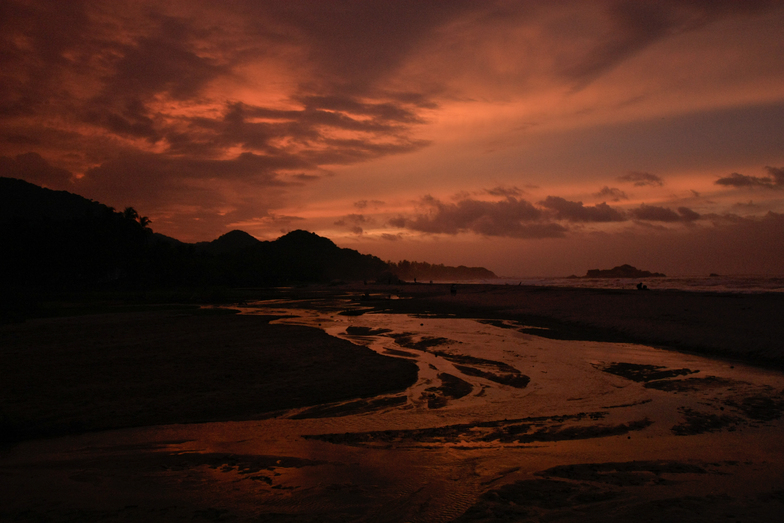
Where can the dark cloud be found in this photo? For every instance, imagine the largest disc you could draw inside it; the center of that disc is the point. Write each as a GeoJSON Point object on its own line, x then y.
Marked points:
{"type": "Point", "coordinates": [283, 218]}
{"type": "Point", "coordinates": [577, 212]}
{"type": "Point", "coordinates": [302, 177]}
{"type": "Point", "coordinates": [611, 193]}
{"type": "Point", "coordinates": [19, 139]}
{"type": "Point", "coordinates": [688, 215]}
{"type": "Point", "coordinates": [352, 218]}
{"type": "Point", "coordinates": [633, 26]}
{"type": "Point", "coordinates": [38, 43]}
{"type": "Point", "coordinates": [504, 191]}
{"type": "Point", "coordinates": [653, 213]}
{"type": "Point", "coordinates": [33, 168]}
{"type": "Point", "coordinates": [355, 222]}
{"type": "Point", "coordinates": [155, 182]}
{"type": "Point", "coordinates": [363, 204]}
{"type": "Point", "coordinates": [130, 82]}
{"type": "Point", "coordinates": [307, 134]}
{"type": "Point", "coordinates": [357, 44]}
{"type": "Point", "coordinates": [259, 169]}
{"type": "Point", "coordinates": [750, 205]}
{"type": "Point", "coordinates": [398, 221]}
{"type": "Point", "coordinates": [509, 217]}
{"type": "Point", "coordinates": [166, 61]}
{"type": "Point", "coordinates": [641, 179]}
{"type": "Point", "coordinates": [777, 173]}
{"type": "Point", "coordinates": [741, 180]}
{"type": "Point", "coordinates": [775, 180]}
{"type": "Point", "coordinates": [132, 121]}
{"type": "Point", "coordinates": [516, 218]}
{"type": "Point", "coordinates": [350, 151]}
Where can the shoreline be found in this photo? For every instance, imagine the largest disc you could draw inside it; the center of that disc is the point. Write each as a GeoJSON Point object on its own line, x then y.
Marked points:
{"type": "Point", "coordinates": [208, 362]}
{"type": "Point", "coordinates": [743, 327]}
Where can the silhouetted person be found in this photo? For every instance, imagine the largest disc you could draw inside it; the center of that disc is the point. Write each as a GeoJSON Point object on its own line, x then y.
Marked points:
{"type": "Point", "coordinates": [453, 289]}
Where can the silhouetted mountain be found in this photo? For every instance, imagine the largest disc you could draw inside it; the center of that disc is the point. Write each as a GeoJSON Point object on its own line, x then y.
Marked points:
{"type": "Point", "coordinates": [233, 241]}
{"type": "Point", "coordinates": [162, 238]}
{"type": "Point", "coordinates": [301, 256]}
{"type": "Point", "coordinates": [20, 200]}
{"type": "Point", "coordinates": [58, 240]}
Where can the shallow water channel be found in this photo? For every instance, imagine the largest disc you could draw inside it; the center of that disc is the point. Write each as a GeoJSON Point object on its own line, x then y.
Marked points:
{"type": "Point", "coordinates": [500, 424]}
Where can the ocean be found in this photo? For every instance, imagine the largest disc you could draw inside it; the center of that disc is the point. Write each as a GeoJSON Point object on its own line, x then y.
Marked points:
{"type": "Point", "coordinates": [729, 284]}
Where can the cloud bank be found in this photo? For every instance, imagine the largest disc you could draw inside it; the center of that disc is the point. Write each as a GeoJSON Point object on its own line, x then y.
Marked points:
{"type": "Point", "coordinates": [518, 218]}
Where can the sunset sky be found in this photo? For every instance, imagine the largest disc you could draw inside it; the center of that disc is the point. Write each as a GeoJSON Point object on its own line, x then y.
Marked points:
{"type": "Point", "coordinates": [529, 137]}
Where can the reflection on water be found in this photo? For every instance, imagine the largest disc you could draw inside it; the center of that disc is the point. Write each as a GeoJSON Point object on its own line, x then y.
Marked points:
{"type": "Point", "coordinates": [500, 424]}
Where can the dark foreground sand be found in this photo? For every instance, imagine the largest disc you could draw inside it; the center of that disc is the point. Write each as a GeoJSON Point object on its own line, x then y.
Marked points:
{"type": "Point", "coordinates": [85, 373]}
{"type": "Point", "coordinates": [448, 429]}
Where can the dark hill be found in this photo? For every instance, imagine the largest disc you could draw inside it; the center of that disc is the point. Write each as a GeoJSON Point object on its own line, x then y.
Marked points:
{"type": "Point", "coordinates": [230, 242]}
{"type": "Point", "coordinates": [55, 240]}
{"type": "Point", "coordinates": [59, 240]}
{"type": "Point", "coordinates": [20, 200]}
{"type": "Point", "coordinates": [299, 256]}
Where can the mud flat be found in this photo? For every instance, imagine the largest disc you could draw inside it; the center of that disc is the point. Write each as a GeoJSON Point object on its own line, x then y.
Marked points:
{"type": "Point", "coordinates": [96, 372]}
{"type": "Point", "coordinates": [741, 326]}
{"type": "Point", "coordinates": [391, 405]}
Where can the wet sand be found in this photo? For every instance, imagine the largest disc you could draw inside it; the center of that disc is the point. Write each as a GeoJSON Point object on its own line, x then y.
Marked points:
{"type": "Point", "coordinates": [743, 326]}
{"type": "Point", "coordinates": [498, 423]}
{"type": "Point", "coordinates": [95, 372]}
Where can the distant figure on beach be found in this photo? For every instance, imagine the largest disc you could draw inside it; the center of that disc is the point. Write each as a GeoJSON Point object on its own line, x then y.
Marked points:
{"type": "Point", "coordinates": [453, 289]}
{"type": "Point", "coordinates": [641, 287]}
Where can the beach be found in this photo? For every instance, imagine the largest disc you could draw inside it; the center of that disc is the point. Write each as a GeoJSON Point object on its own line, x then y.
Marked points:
{"type": "Point", "coordinates": [400, 403]}
{"type": "Point", "coordinates": [743, 326]}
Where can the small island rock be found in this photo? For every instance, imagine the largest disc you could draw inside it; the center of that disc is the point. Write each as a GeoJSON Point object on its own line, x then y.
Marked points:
{"type": "Point", "coordinates": [622, 271]}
